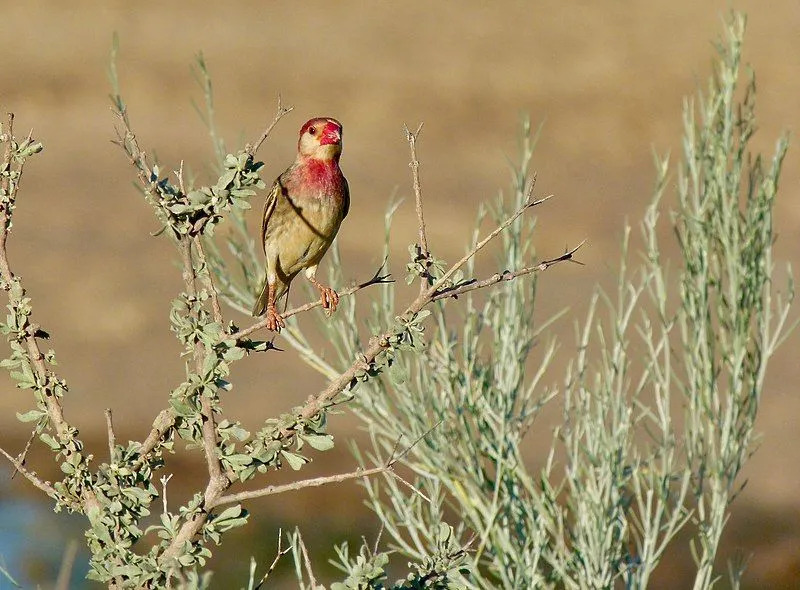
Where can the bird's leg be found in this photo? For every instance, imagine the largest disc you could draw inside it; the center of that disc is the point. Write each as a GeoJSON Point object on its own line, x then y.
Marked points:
{"type": "Point", "coordinates": [328, 297]}
{"type": "Point", "coordinates": [274, 320]}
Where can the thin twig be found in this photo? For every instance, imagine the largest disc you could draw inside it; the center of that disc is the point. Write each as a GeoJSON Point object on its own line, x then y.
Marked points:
{"type": "Point", "coordinates": [30, 475]}
{"type": "Point", "coordinates": [162, 425]}
{"type": "Point", "coordinates": [380, 342]}
{"type": "Point", "coordinates": [280, 553]}
{"type": "Point", "coordinates": [21, 457]}
{"type": "Point", "coordinates": [506, 275]}
{"type": "Point", "coordinates": [282, 111]}
{"type": "Point", "coordinates": [112, 438]}
{"type": "Point", "coordinates": [311, 579]}
{"type": "Point", "coordinates": [299, 485]}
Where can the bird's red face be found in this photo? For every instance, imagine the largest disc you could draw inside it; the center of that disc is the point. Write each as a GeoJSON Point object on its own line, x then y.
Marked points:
{"type": "Point", "coordinates": [321, 138]}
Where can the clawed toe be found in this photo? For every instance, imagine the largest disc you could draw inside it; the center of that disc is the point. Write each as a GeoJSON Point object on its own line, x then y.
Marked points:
{"type": "Point", "coordinates": [329, 298]}
{"type": "Point", "coordinates": [274, 320]}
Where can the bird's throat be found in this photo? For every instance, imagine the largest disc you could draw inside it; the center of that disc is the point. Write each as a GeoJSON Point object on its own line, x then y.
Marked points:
{"type": "Point", "coordinates": [323, 174]}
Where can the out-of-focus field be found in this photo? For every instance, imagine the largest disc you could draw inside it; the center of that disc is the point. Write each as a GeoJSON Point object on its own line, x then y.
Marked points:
{"type": "Point", "coordinates": [606, 77]}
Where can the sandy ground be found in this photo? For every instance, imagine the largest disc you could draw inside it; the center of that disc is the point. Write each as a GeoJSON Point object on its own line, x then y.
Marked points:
{"type": "Point", "coordinates": [606, 77]}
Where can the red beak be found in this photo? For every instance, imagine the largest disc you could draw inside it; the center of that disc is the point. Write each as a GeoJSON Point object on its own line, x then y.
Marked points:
{"type": "Point", "coordinates": [331, 135]}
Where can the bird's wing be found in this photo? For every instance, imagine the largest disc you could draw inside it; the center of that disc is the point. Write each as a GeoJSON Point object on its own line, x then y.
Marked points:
{"type": "Point", "coordinates": [346, 198]}
{"type": "Point", "coordinates": [269, 207]}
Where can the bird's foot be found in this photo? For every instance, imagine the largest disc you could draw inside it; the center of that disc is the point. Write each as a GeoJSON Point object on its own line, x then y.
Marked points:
{"type": "Point", "coordinates": [274, 320]}
{"type": "Point", "coordinates": [328, 297]}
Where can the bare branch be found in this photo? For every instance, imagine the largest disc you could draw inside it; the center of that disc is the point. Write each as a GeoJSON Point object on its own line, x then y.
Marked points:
{"type": "Point", "coordinates": [506, 275]}
{"type": "Point", "coordinates": [164, 481]}
{"type": "Point", "coordinates": [126, 139]}
{"type": "Point", "coordinates": [162, 425]}
{"type": "Point", "coordinates": [31, 476]}
{"type": "Point", "coordinates": [300, 485]}
{"type": "Point", "coordinates": [380, 342]}
{"type": "Point", "coordinates": [280, 553]}
{"type": "Point", "coordinates": [282, 111]}
{"type": "Point", "coordinates": [21, 457]}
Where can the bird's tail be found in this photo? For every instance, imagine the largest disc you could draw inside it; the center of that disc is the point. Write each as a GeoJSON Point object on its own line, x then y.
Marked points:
{"type": "Point", "coordinates": [261, 302]}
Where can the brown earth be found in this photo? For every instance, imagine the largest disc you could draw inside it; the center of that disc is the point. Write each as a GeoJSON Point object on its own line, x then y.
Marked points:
{"type": "Point", "coordinates": [607, 77]}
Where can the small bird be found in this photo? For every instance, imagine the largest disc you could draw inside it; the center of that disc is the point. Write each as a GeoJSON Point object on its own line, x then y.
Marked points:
{"type": "Point", "coordinates": [302, 214]}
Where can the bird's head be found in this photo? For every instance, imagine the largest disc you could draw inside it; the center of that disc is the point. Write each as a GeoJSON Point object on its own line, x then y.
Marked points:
{"type": "Point", "coordinates": [321, 139]}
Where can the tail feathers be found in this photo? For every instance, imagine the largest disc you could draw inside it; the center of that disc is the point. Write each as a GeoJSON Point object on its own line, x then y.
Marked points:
{"type": "Point", "coordinates": [261, 302]}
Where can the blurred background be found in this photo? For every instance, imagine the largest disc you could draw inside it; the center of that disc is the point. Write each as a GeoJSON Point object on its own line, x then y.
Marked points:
{"type": "Point", "coordinates": [607, 79]}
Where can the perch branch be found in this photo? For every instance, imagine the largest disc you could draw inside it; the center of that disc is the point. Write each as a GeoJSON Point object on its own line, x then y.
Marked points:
{"type": "Point", "coordinates": [377, 279]}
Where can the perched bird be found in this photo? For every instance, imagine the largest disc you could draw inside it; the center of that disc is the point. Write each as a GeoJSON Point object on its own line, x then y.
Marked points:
{"type": "Point", "coordinates": [302, 214]}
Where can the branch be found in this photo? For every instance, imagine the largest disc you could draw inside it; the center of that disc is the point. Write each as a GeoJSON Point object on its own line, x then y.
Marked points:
{"type": "Point", "coordinates": [506, 275]}
{"type": "Point", "coordinates": [21, 457]}
{"type": "Point", "coordinates": [377, 279]}
{"type": "Point", "coordinates": [31, 331]}
{"type": "Point", "coordinates": [163, 423]}
{"type": "Point", "coordinates": [209, 426]}
{"type": "Point", "coordinates": [300, 485]}
{"type": "Point", "coordinates": [282, 111]}
{"type": "Point", "coordinates": [31, 476]}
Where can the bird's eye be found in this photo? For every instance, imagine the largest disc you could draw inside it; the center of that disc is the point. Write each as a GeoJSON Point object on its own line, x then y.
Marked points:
{"type": "Point", "coordinates": [312, 130]}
